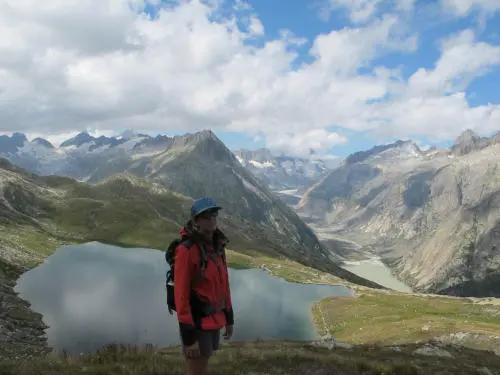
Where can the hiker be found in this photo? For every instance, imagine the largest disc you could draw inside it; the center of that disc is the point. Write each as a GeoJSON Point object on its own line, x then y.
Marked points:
{"type": "Point", "coordinates": [202, 295]}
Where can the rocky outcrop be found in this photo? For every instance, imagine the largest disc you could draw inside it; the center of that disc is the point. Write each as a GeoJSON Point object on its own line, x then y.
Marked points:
{"type": "Point", "coordinates": [22, 334]}
{"type": "Point", "coordinates": [469, 142]}
{"type": "Point", "coordinates": [433, 215]}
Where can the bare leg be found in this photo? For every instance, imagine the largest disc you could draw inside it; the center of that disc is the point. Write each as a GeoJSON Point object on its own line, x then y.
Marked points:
{"type": "Point", "coordinates": [205, 365]}
{"type": "Point", "coordinates": [196, 366]}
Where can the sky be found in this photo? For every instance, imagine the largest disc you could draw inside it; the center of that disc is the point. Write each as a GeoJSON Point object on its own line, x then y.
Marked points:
{"type": "Point", "coordinates": [332, 76]}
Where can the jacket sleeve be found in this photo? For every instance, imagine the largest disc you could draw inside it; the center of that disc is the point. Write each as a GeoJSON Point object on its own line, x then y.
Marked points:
{"type": "Point", "coordinates": [228, 311]}
{"type": "Point", "coordinates": [182, 281]}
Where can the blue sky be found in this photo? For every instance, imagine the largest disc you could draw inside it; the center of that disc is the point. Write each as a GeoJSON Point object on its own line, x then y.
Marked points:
{"type": "Point", "coordinates": [301, 18]}
{"type": "Point", "coordinates": [363, 72]}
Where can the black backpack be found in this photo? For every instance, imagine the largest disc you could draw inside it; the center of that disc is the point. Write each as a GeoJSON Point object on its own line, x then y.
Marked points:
{"type": "Point", "coordinates": [170, 258]}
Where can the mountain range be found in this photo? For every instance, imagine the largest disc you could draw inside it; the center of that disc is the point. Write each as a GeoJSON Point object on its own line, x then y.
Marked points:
{"type": "Point", "coordinates": [433, 216]}
{"type": "Point", "coordinates": [284, 172]}
{"type": "Point", "coordinates": [77, 156]}
{"type": "Point", "coordinates": [192, 165]}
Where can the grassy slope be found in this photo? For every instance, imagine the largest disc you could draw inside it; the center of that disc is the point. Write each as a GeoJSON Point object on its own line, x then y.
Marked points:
{"type": "Point", "coordinates": [122, 210]}
{"type": "Point", "coordinates": [260, 358]}
{"type": "Point", "coordinates": [398, 318]}
{"type": "Point", "coordinates": [114, 212]}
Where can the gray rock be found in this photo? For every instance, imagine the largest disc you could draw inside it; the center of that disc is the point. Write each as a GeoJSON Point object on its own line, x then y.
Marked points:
{"type": "Point", "coordinates": [432, 351]}
{"type": "Point", "coordinates": [426, 329]}
{"type": "Point", "coordinates": [433, 216]}
{"type": "Point", "coordinates": [486, 371]}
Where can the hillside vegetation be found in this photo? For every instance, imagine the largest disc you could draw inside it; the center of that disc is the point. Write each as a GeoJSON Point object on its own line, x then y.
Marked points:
{"type": "Point", "coordinates": [38, 214]}
{"type": "Point", "coordinates": [271, 358]}
{"type": "Point", "coordinates": [396, 318]}
{"type": "Point", "coordinates": [42, 213]}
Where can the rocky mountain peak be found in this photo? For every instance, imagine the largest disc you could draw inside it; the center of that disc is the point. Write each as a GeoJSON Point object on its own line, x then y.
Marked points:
{"type": "Point", "coordinates": [468, 141]}
{"type": "Point", "coordinates": [204, 136]}
{"type": "Point", "coordinates": [208, 144]}
{"type": "Point", "coordinates": [466, 136]}
{"type": "Point", "coordinates": [19, 136]}
{"type": "Point", "coordinates": [43, 142]}
{"type": "Point", "coordinates": [9, 145]}
{"type": "Point", "coordinates": [260, 155]}
{"type": "Point", "coordinates": [78, 140]}
{"type": "Point", "coordinates": [409, 147]}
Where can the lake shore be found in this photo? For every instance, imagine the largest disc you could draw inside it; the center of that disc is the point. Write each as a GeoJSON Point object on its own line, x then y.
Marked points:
{"type": "Point", "coordinates": [26, 336]}
{"type": "Point", "coordinates": [23, 331]}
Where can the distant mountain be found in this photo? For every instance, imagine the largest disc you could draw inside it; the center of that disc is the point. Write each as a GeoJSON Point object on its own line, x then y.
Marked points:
{"type": "Point", "coordinates": [433, 215]}
{"type": "Point", "coordinates": [75, 157]}
{"type": "Point", "coordinates": [43, 142]}
{"type": "Point", "coordinates": [282, 172]}
{"type": "Point", "coordinates": [82, 157]}
{"type": "Point", "coordinates": [194, 165]}
{"type": "Point", "coordinates": [11, 145]}
{"type": "Point", "coordinates": [469, 142]}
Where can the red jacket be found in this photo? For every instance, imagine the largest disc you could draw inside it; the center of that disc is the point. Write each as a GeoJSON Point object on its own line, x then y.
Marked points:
{"type": "Point", "coordinates": [213, 288]}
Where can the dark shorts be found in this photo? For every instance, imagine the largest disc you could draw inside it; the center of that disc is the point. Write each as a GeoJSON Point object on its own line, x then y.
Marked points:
{"type": "Point", "coordinates": [209, 342]}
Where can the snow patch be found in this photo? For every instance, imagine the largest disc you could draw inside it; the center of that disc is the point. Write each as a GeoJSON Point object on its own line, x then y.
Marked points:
{"type": "Point", "coordinates": [257, 164]}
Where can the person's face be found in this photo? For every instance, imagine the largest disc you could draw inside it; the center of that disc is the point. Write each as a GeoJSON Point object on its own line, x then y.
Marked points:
{"type": "Point", "coordinates": [207, 221]}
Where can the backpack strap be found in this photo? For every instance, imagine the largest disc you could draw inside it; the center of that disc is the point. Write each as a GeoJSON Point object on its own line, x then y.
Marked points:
{"type": "Point", "coordinates": [203, 266]}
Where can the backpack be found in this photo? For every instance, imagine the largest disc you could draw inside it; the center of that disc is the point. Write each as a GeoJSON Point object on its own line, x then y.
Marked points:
{"type": "Point", "coordinates": [170, 259]}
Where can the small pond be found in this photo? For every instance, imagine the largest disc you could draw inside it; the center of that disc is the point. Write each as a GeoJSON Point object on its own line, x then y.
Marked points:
{"type": "Point", "coordinates": [94, 294]}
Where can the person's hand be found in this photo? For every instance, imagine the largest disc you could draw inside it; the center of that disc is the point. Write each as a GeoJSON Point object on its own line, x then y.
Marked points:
{"type": "Point", "coordinates": [228, 333]}
{"type": "Point", "coordinates": [192, 351]}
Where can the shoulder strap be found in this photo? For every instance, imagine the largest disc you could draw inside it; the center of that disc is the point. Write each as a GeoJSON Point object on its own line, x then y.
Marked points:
{"type": "Point", "coordinates": [223, 255]}
{"type": "Point", "coordinates": [203, 256]}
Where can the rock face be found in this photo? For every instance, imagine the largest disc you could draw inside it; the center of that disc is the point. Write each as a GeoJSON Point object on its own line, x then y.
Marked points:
{"type": "Point", "coordinates": [282, 172]}
{"type": "Point", "coordinates": [469, 142]}
{"type": "Point", "coordinates": [21, 330]}
{"type": "Point", "coordinates": [433, 215]}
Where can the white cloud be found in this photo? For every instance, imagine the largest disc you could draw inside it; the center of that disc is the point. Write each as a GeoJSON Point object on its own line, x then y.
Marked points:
{"type": "Point", "coordinates": [361, 11]}
{"type": "Point", "coordinates": [463, 7]}
{"type": "Point", "coordinates": [434, 103]}
{"type": "Point", "coordinates": [100, 64]}
{"type": "Point", "coordinates": [462, 59]}
{"type": "Point", "coordinates": [256, 26]}
{"type": "Point", "coordinates": [302, 144]}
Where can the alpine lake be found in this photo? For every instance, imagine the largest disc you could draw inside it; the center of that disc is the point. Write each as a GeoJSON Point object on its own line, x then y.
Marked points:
{"type": "Point", "coordinates": [92, 295]}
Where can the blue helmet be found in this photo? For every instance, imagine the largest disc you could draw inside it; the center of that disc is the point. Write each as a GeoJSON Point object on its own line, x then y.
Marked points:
{"type": "Point", "coordinates": [203, 204]}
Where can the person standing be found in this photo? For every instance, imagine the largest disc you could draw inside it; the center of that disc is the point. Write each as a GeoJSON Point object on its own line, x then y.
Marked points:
{"type": "Point", "coordinates": [202, 290]}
